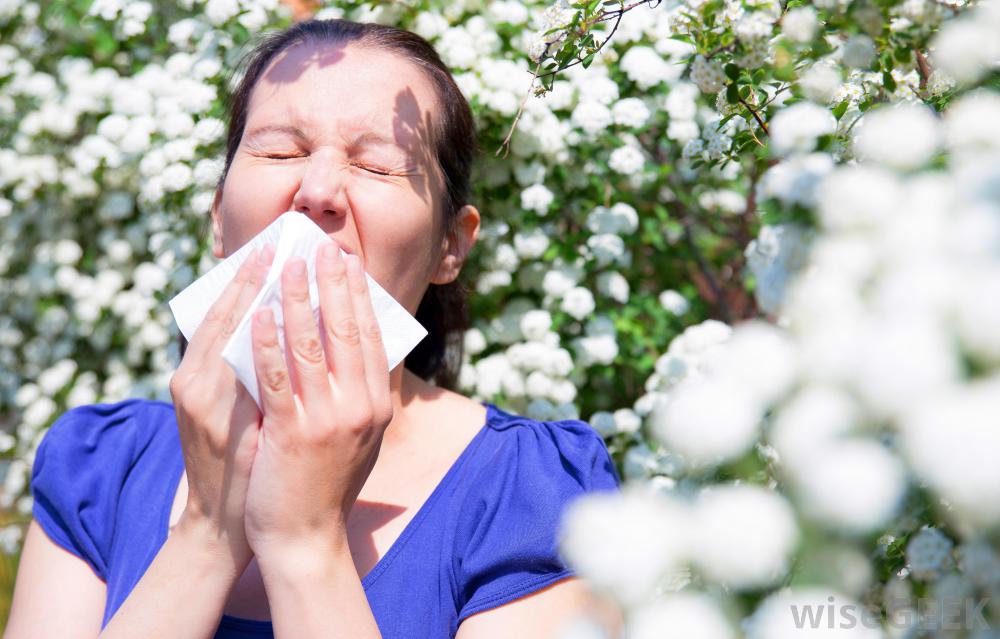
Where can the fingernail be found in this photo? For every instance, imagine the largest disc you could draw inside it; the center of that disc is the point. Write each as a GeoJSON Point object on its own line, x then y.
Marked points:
{"type": "Point", "coordinates": [297, 268]}
{"type": "Point", "coordinates": [265, 317]}
{"type": "Point", "coordinates": [265, 254]}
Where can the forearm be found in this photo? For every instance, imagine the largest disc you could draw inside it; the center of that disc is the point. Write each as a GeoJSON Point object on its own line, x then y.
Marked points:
{"type": "Point", "coordinates": [316, 592]}
{"type": "Point", "coordinates": [184, 590]}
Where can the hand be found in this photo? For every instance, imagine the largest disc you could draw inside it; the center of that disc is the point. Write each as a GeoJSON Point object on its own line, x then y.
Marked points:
{"type": "Point", "coordinates": [323, 415]}
{"type": "Point", "coordinates": [217, 419]}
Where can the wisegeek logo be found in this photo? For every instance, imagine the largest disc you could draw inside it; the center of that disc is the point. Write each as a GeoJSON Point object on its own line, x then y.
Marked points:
{"type": "Point", "coordinates": [924, 614]}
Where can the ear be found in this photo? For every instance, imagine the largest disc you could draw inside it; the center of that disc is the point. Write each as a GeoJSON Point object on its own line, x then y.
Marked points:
{"type": "Point", "coordinates": [217, 247]}
{"type": "Point", "coordinates": [457, 244]}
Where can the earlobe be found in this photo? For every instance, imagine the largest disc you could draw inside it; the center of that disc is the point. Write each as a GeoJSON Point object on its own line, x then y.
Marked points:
{"type": "Point", "coordinates": [457, 245]}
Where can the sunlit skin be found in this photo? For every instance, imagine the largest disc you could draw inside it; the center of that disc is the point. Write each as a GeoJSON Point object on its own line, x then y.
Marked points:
{"type": "Point", "coordinates": [344, 135]}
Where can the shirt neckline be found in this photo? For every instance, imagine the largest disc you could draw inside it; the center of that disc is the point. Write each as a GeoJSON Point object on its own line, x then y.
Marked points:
{"type": "Point", "coordinates": [385, 560]}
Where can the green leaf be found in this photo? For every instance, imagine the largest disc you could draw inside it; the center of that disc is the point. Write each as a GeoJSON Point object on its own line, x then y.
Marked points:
{"type": "Point", "coordinates": [840, 109]}
{"type": "Point", "coordinates": [732, 94]}
{"type": "Point", "coordinates": [732, 71]}
{"type": "Point", "coordinates": [890, 82]}
{"type": "Point", "coordinates": [586, 61]}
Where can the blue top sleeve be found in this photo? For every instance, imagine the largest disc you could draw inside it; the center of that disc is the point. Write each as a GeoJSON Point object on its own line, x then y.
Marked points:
{"type": "Point", "coordinates": [510, 524]}
{"type": "Point", "coordinates": [77, 476]}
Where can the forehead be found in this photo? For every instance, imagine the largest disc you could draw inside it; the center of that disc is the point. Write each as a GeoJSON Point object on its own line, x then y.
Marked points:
{"type": "Point", "coordinates": [337, 90]}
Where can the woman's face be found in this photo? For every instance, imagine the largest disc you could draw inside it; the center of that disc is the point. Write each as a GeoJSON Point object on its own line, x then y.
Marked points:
{"type": "Point", "coordinates": [343, 134]}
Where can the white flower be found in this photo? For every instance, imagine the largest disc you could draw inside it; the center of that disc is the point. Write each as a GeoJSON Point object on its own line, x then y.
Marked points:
{"type": "Point", "coordinates": [964, 49]}
{"type": "Point", "coordinates": [561, 279]}
{"type": "Point", "coordinates": [578, 302]}
{"type": "Point", "coordinates": [626, 160]}
{"type": "Point", "coordinates": [820, 82]}
{"type": "Point", "coordinates": [796, 128]}
{"type": "Point", "coordinates": [928, 554]}
{"type": "Point", "coordinates": [949, 440]}
{"type": "Point", "coordinates": [57, 377]}
{"type": "Point", "coordinates": [149, 277]}
{"type": "Point", "coordinates": [219, 12]}
{"type": "Point", "coordinates": [858, 52]}
{"type": "Point", "coordinates": [614, 285]}
{"type": "Point", "coordinates": [972, 122]}
{"type": "Point", "coordinates": [674, 302]}
{"type": "Point", "coordinates": [799, 24]}
{"type": "Point", "coordinates": [708, 74]}
{"type": "Point", "coordinates": [599, 349]}
{"type": "Point", "coordinates": [591, 116]}
{"type": "Point", "coordinates": [857, 197]}
{"type": "Point", "coordinates": [607, 248]}
{"type": "Point", "coordinates": [647, 68]}
{"type": "Point", "coordinates": [903, 136]}
{"type": "Point", "coordinates": [537, 198]}
{"type": "Point", "coordinates": [758, 554]}
{"type": "Point", "coordinates": [177, 177]}
{"type": "Point", "coordinates": [855, 485]}
{"type": "Point", "coordinates": [619, 219]}
{"type": "Point", "coordinates": [794, 180]}
{"type": "Point", "coordinates": [535, 324]}
{"type": "Point", "coordinates": [778, 254]}
{"type": "Point", "coordinates": [624, 542]}
{"type": "Point", "coordinates": [531, 244]}
{"type": "Point", "coordinates": [474, 342]}
{"type": "Point", "coordinates": [630, 112]}
{"type": "Point", "coordinates": [687, 614]}
{"type": "Point", "coordinates": [708, 421]}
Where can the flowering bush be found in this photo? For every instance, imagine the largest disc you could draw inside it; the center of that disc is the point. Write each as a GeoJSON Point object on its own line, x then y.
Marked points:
{"type": "Point", "coordinates": [756, 244]}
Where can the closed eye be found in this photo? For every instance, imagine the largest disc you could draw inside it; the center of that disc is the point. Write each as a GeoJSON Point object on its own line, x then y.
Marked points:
{"type": "Point", "coordinates": [372, 169]}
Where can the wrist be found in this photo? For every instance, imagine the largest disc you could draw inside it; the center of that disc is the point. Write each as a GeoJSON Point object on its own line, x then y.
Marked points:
{"type": "Point", "coordinates": [305, 559]}
{"type": "Point", "coordinates": [217, 549]}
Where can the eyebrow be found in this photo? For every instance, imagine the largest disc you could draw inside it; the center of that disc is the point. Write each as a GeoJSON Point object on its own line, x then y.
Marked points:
{"type": "Point", "coordinates": [365, 138]}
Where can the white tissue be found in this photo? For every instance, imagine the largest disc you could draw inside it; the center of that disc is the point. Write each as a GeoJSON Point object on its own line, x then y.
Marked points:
{"type": "Point", "coordinates": [292, 234]}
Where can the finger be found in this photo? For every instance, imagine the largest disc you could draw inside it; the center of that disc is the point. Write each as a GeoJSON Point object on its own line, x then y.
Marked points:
{"type": "Point", "coordinates": [340, 328]}
{"type": "Point", "coordinates": [219, 313]}
{"type": "Point", "coordinates": [376, 362]}
{"type": "Point", "coordinates": [303, 343]}
{"type": "Point", "coordinates": [273, 382]}
{"type": "Point", "coordinates": [261, 263]}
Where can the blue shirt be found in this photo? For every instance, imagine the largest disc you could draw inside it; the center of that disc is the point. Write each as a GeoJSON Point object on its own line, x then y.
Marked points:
{"type": "Point", "coordinates": [105, 476]}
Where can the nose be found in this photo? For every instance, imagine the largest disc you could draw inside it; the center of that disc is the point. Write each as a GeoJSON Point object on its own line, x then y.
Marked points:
{"type": "Point", "coordinates": [321, 189]}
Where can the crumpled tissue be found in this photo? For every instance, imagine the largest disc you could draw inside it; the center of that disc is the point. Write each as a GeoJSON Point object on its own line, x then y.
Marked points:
{"type": "Point", "coordinates": [292, 234]}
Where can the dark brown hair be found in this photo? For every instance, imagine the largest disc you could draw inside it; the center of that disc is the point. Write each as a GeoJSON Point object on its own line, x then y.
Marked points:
{"type": "Point", "coordinates": [443, 311]}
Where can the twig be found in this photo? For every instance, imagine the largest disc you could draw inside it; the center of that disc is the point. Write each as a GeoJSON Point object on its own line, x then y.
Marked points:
{"type": "Point", "coordinates": [505, 145]}
{"type": "Point", "coordinates": [923, 67]}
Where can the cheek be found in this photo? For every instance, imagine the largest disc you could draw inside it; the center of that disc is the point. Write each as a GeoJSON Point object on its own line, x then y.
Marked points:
{"type": "Point", "coordinates": [253, 196]}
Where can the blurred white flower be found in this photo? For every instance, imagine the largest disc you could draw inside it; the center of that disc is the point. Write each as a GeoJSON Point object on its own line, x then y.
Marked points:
{"type": "Point", "coordinates": [537, 198]}
{"type": "Point", "coordinates": [674, 302]}
{"type": "Point", "coordinates": [800, 24]}
{"type": "Point", "coordinates": [686, 614]}
{"type": "Point", "coordinates": [903, 136]}
{"type": "Point", "coordinates": [745, 535]}
{"type": "Point", "coordinates": [855, 486]}
{"type": "Point", "coordinates": [928, 554]}
{"type": "Point", "coordinates": [578, 302]}
{"type": "Point", "coordinates": [796, 128]}
{"type": "Point", "coordinates": [624, 542]}
{"type": "Point", "coordinates": [858, 52]}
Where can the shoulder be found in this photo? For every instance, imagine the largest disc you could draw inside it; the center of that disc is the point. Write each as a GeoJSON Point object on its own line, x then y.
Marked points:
{"type": "Point", "coordinates": [566, 449]}
{"type": "Point", "coordinates": [80, 466]}
{"type": "Point", "coordinates": [95, 430]}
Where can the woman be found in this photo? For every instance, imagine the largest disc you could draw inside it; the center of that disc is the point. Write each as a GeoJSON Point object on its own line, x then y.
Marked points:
{"type": "Point", "coordinates": [357, 501]}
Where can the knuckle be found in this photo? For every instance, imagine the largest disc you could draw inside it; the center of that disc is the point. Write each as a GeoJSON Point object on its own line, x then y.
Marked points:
{"type": "Point", "coordinates": [373, 331]}
{"type": "Point", "coordinates": [228, 326]}
{"type": "Point", "coordinates": [346, 330]}
{"type": "Point", "coordinates": [308, 350]}
{"type": "Point", "coordinates": [275, 381]}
